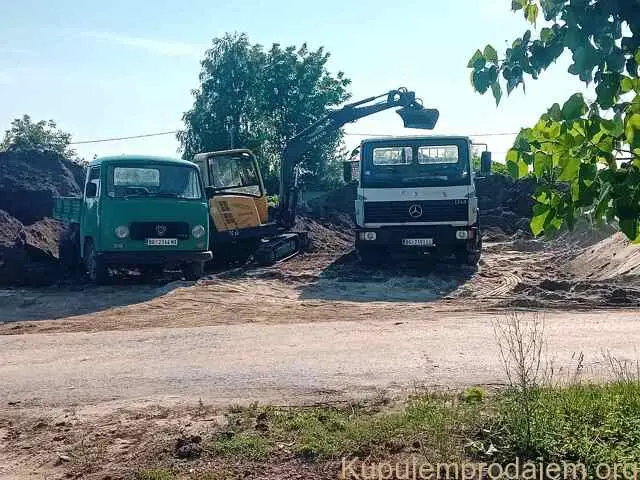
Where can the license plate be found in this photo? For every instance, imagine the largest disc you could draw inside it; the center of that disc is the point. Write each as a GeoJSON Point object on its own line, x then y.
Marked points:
{"type": "Point", "coordinates": [162, 242]}
{"type": "Point", "coordinates": [417, 242]}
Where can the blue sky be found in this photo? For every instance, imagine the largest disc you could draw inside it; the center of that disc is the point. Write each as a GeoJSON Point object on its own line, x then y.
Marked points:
{"type": "Point", "coordinates": [119, 68]}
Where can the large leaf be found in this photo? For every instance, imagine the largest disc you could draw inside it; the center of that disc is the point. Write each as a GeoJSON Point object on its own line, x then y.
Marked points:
{"type": "Point", "coordinates": [570, 169]}
{"type": "Point", "coordinates": [574, 108]}
{"type": "Point", "coordinates": [496, 89]}
{"type": "Point", "coordinates": [632, 130]}
{"type": "Point", "coordinates": [629, 227]}
{"type": "Point", "coordinates": [477, 61]}
{"type": "Point", "coordinates": [490, 54]}
{"type": "Point", "coordinates": [540, 213]}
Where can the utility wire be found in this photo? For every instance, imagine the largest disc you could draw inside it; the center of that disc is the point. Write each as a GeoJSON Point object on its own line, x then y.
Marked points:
{"type": "Point", "coordinates": [114, 139]}
{"type": "Point", "coordinates": [173, 132]}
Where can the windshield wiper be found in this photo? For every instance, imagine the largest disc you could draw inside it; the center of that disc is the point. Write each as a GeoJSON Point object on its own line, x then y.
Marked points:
{"type": "Point", "coordinates": [166, 194]}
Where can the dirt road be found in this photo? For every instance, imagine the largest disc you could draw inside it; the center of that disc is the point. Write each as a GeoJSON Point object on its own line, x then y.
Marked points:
{"type": "Point", "coordinates": [286, 363]}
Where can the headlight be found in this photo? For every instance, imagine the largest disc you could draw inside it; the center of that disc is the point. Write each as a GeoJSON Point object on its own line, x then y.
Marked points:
{"type": "Point", "coordinates": [370, 236]}
{"type": "Point", "coordinates": [462, 235]}
{"type": "Point", "coordinates": [197, 231]}
{"type": "Point", "coordinates": [122, 231]}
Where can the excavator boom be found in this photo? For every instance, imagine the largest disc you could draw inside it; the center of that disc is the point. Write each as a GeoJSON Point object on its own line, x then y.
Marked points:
{"type": "Point", "coordinates": [413, 114]}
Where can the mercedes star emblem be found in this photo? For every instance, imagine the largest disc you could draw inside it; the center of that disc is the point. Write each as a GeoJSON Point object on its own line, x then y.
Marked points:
{"type": "Point", "coordinates": [415, 211]}
{"type": "Point", "coordinates": [161, 230]}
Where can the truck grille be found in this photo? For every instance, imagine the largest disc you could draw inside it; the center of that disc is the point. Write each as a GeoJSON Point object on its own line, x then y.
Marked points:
{"type": "Point", "coordinates": [142, 230]}
{"type": "Point", "coordinates": [417, 211]}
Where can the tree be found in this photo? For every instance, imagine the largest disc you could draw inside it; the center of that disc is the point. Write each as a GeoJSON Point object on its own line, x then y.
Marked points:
{"type": "Point", "coordinates": [585, 155]}
{"type": "Point", "coordinates": [259, 99]}
{"type": "Point", "coordinates": [27, 135]}
{"type": "Point", "coordinates": [496, 167]}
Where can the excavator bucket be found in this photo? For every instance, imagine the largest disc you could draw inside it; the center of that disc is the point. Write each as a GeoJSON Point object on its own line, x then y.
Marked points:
{"type": "Point", "coordinates": [416, 116]}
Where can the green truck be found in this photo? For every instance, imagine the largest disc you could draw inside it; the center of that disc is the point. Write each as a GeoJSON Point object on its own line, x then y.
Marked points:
{"type": "Point", "coordinates": [139, 212]}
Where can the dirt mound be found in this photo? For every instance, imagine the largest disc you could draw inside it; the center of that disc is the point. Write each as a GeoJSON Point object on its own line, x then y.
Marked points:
{"type": "Point", "coordinates": [28, 255]}
{"type": "Point", "coordinates": [603, 274]}
{"type": "Point", "coordinates": [505, 204]}
{"type": "Point", "coordinates": [330, 234]}
{"type": "Point", "coordinates": [610, 259]}
{"type": "Point", "coordinates": [30, 179]}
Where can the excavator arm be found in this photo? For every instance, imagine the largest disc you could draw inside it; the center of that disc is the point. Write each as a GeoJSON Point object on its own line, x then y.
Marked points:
{"type": "Point", "coordinates": [413, 114]}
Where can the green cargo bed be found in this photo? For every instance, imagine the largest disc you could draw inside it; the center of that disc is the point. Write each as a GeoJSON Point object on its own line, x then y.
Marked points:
{"type": "Point", "coordinates": [67, 209]}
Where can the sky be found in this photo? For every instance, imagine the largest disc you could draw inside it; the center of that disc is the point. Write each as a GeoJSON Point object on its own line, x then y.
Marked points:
{"type": "Point", "coordinates": [124, 68]}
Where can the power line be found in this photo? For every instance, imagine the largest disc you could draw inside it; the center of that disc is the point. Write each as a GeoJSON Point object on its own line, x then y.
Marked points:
{"type": "Point", "coordinates": [113, 139]}
{"type": "Point", "coordinates": [173, 132]}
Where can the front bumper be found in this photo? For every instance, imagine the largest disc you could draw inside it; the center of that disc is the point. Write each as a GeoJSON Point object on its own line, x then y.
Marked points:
{"type": "Point", "coordinates": [154, 257]}
{"type": "Point", "coordinates": [443, 236]}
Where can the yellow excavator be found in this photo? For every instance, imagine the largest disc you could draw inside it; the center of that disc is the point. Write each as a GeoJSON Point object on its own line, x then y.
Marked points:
{"type": "Point", "coordinates": [239, 213]}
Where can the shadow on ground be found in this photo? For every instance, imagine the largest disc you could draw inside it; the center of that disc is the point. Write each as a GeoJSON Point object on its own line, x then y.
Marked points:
{"type": "Point", "coordinates": [80, 298]}
{"type": "Point", "coordinates": [346, 279]}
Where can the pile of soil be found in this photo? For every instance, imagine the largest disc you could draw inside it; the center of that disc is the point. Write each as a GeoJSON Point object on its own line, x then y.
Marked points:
{"type": "Point", "coordinates": [505, 205]}
{"type": "Point", "coordinates": [28, 255]}
{"type": "Point", "coordinates": [30, 179]}
{"type": "Point", "coordinates": [596, 274]}
{"type": "Point", "coordinates": [613, 258]}
{"type": "Point", "coordinates": [332, 234]}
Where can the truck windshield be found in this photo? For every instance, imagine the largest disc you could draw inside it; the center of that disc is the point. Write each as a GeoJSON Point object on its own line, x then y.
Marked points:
{"type": "Point", "coordinates": [160, 181]}
{"type": "Point", "coordinates": [415, 165]}
{"type": "Point", "coordinates": [234, 173]}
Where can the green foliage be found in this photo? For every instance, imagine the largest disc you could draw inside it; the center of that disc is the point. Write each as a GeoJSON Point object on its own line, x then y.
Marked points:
{"type": "Point", "coordinates": [586, 157]}
{"type": "Point", "coordinates": [496, 167]}
{"type": "Point", "coordinates": [249, 445]}
{"type": "Point", "coordinates": [430, 424]}
{"type": "Point", "coordinates": [24, 134]}
{"type": "Point", "coordinates": [261, 98]}
{"type": "Point", "coordinates": [591, 424]}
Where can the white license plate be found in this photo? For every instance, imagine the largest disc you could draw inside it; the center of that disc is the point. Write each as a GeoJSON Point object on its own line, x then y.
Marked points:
{"type": "Point", "coordinates": [162, 242]}
{"type": "Point", "coordinates": [417, 242]}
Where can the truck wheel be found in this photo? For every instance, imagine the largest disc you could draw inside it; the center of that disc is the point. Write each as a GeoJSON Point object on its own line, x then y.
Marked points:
{"type": "Point", "coordinates": [468, 258]}
{"type": "Point", "coordinates": [465, 257]}
{"type": "Point", "coordinates": [96, 269]}
{"type": "Point", "coordinates": [193, 271]}
{"type": "Point", "coordinates": [68, 249]}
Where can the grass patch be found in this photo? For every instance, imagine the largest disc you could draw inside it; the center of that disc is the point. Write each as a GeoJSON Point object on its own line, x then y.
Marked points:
{"type": "Point", "coordinates": [434, 425]}
{"type": "Point", "coordinates": [247, 445]}
{"type": "Point", "coordinates": [584, 422]}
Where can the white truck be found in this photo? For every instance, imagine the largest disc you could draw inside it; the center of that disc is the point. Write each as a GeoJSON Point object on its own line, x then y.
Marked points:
{"type": "Point", "coordinates": [415, 196]}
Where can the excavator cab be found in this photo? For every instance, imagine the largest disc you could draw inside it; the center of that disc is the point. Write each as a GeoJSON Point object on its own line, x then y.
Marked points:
{"type": "Point", "coordinates": [237, 197]}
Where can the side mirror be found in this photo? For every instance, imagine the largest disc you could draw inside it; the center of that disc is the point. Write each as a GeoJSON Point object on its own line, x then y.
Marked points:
{"type": "Point", "coordinates": [92, 190]}
{"type": "Point", "coordinates": [209, 191]}
{"type": "Point", "coordinates": [485, 163]}
{"type": "Point", "coordinates": [347, 171]}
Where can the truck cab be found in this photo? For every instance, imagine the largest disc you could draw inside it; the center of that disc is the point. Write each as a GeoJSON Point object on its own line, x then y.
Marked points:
{"type": "Point", "coordinates": [415, 196]}
{"type": "Point", "coordinates": [138, 211]}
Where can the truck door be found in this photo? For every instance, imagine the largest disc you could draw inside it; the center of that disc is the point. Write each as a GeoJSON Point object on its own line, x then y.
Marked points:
{"type": "Point", "coordinates": [89, 223]}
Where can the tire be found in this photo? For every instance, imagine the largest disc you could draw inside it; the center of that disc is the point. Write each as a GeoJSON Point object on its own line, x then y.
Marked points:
{"type": "Point", "coordinates": [193, 271]}
{"type": "Point", "coordinates": [69, 249]}
{"type": "Point", "coordinates": [96, 269]}
{"type": "Point", "coordinates": [465, 257]}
